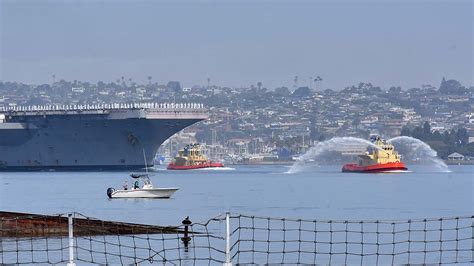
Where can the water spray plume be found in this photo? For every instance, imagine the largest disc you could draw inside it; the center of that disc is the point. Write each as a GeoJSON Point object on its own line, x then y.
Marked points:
{"type": "Point", "coordinates": [416, 151]}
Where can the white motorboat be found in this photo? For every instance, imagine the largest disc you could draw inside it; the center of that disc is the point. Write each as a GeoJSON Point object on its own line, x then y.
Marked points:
{"type": "Point", "coordinates": [146, 191]}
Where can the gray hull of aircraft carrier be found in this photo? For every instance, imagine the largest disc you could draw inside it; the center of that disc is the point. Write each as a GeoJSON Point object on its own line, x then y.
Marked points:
{"type": "Point", "coordinates": [89, 137]}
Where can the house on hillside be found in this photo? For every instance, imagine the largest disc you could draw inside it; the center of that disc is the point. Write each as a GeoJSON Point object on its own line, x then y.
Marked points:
{"type": "Point", "coordinates": [455, 157]}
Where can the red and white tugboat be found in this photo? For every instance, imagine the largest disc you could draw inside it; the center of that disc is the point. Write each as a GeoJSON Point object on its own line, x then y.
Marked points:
{"type": "Point", "coordinates": [382, 159]}
{"type": "Point", "coordinates": [191, 157]}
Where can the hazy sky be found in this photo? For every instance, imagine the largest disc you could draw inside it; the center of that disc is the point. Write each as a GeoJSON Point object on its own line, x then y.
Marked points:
{"type": "Point", "coordinates": [238, 43]}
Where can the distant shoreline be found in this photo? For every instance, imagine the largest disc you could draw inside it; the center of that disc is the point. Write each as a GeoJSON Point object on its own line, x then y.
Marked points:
{"type": "Point", "coordinates": [264, 163]}
{"type": "Point", "coordinates": [458, 162]}
{"type": "Point", "coordinates": [448, 162]}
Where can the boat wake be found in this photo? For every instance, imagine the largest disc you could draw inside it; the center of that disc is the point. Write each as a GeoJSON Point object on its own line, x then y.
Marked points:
{"type": "Point", "coordinates": [397, 171]}
{"type": "Point", "coordinates": [156, 169]}
{"type": "Point", "coordinates": [216, 169]}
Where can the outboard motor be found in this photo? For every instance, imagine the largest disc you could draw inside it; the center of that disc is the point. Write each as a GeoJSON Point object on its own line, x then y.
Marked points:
{"type": "Point", "coordinates": [110, 191]}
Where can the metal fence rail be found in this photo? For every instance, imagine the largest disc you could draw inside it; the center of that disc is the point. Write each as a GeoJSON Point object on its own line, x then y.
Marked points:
{"type": "Point", "coordinates": [235, 239]}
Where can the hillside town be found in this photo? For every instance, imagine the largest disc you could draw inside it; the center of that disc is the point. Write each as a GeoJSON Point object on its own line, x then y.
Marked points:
{"type": "Point", "coordinates": [262, 124]}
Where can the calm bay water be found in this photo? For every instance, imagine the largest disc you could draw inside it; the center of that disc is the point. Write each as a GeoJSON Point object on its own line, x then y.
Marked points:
{"type": "Point", "coordinates": [323, 193]}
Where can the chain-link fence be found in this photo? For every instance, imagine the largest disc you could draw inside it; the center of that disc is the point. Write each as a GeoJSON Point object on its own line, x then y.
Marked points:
{"type": "Point", "coordinates": [236, 239]}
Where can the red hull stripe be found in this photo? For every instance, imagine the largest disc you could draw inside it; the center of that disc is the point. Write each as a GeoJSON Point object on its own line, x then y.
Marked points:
{"type": "Point", "coordinates": [374, 168]}
{"type": "Point", "coordinates": [172, 166]}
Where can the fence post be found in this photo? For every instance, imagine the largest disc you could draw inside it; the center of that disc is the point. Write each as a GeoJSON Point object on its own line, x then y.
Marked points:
{"type": "Point", "coordinates": [227, 240]}
{"type": "Point", "coordinates": [71, 240]}
{"type": "Point", "coordinates": [186, 238]}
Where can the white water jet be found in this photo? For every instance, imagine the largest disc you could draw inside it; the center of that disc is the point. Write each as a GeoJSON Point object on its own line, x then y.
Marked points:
{"type": "Point", "coordinates": [416, 151]}
{"type": "Point", "coordinates": [317, 154]}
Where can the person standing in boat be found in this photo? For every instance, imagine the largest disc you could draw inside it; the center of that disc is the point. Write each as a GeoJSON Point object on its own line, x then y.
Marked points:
{"type": "Point", "coordinates": [136, 185]}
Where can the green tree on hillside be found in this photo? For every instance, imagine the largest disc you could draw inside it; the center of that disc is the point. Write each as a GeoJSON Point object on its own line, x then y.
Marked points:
{"type": "Point", "coordinates": [445, 143]}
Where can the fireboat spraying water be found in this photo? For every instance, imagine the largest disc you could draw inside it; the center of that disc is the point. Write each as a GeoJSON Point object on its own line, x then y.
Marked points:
{"type": "Point", "coordinates": [411, 150]}
{"type": "Point", "coordinates": [384, 158]}
{"type": "Point", "coordinates": [320, 153]}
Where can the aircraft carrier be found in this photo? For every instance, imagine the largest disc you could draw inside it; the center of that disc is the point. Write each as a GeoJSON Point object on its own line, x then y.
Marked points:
{"type": "Point", "coordinates": [88, 137]}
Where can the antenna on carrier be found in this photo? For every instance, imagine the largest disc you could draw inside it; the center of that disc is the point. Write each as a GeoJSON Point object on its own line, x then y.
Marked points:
{"type": "Point", "coordinates": [144, 158]}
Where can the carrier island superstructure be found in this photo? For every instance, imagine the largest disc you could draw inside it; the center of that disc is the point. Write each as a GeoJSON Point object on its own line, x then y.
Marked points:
{"type": "Point", "coordinates": [87, 137]}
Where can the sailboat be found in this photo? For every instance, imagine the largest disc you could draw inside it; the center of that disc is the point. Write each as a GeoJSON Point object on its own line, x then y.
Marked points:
{"type": "Point", "coordinates": [146, 191]}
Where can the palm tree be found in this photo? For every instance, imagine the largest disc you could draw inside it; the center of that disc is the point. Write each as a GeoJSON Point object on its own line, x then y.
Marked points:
{"type": "Point", "coordinates": [259, 85]}
{"type": "Point", "coordinates": [318, 78]}
{"type": "Point", "coordinates": [149, 80]}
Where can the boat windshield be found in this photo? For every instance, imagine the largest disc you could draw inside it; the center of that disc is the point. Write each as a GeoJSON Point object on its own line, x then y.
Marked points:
{"type": "Point", "coordinates": [138, 176]}
{"type": "Point", "coordinates": [144, 177]}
